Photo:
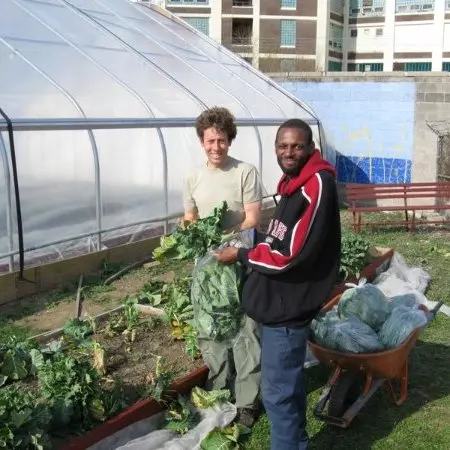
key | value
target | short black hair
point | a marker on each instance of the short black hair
(300, 125)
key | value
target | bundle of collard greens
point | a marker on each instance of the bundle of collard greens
(364, 302)
(195, 239)
(345, 335)
(215, 298)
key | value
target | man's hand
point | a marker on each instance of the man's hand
(227, 255)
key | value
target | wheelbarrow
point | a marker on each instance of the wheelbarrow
(356, 377)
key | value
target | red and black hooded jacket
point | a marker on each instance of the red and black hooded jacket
(296, 263)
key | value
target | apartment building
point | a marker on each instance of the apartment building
(326, 35)
(393, 35)
(274, 35)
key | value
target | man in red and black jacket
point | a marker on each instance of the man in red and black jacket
(292, 271)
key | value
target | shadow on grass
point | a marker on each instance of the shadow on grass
(429, 376)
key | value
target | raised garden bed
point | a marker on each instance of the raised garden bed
(139, 411)
(126, 344)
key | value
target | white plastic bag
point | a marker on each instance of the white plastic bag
(402, 279)
(149, 434)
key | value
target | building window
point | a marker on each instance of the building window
(288, 4)
(200, 23)
(243, 3)
(365, 67)
(354, 32)
(379, 32)
(446, 66)
(337, 6)
(417, 67)
(414, 6)
(188, 2)
(242, 31)
(288, 33)
(334, 66)
(366, 8)
(370, 67)
(447, 5)
(336, 36)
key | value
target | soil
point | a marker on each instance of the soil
(49, 311)
(137, 366)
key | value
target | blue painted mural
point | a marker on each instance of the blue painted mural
(370, 125)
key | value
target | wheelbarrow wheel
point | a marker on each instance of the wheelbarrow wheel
(344, 392)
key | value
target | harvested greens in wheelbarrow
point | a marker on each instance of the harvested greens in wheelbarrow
(366, 321)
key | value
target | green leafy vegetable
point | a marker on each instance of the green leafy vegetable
(73, 390)
(194, 240)
(354, 255)
(224, 439)
(79, 329)
(181, 417)
(16, 362)
(24, 420)
(205, 399)
(215, 297)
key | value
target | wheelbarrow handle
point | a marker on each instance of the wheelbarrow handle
(432, 314)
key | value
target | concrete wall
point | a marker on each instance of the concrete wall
(378, 123)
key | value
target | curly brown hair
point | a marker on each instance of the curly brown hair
(219, 118)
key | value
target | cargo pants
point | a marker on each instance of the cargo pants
(240, 361)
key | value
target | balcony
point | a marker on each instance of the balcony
(242, 3)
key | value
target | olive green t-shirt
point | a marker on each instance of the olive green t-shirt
(237, 183)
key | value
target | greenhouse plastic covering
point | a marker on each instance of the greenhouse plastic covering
(100, 98)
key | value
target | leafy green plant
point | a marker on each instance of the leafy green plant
(181, 417)
(24, 420)
(205, 399)
(354, 255)
(17, 359)
(152, 293)
(195, 239)
(73, 391)
(159, 381)
(224, 438)
(191, 348)
(79, 329)
(114, 399)
(178, 309)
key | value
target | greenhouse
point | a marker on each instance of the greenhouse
(98, 100)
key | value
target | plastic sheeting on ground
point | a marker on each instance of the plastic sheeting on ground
(150, 434)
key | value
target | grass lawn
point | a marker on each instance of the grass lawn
(423, 421)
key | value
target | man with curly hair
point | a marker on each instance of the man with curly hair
(223, 178)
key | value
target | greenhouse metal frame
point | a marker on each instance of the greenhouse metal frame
(105, 18)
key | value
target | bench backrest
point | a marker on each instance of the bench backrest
(366, 192)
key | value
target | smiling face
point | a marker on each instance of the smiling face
(293, 150)
(216, 145)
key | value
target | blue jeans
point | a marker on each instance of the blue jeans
(283, 388)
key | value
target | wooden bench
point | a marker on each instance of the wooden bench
(409, 198)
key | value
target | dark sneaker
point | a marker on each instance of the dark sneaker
(246, 417)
